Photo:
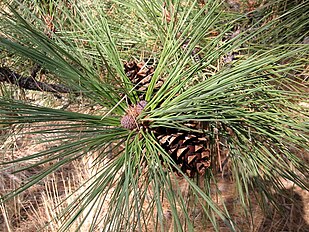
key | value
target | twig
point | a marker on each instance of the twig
(36, 68)
(7, 75)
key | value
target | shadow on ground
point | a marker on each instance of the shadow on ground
(290, 217)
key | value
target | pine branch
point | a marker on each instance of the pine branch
(7, 75)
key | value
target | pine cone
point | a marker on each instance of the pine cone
(188, 149)
(129, 121)
(140, 74)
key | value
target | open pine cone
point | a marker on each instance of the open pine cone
(190, 150)
(140, 74)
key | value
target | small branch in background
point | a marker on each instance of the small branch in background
(7, 75)
(36, 68)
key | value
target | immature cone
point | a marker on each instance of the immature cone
(129, 121)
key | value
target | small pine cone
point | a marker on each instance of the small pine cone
(128, 122)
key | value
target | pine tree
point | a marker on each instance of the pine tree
(215, 96)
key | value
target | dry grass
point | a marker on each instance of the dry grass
(32, 209)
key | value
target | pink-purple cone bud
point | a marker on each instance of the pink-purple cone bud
(142, 104)
(128, 122)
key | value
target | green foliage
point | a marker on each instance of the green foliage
(254, 97)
